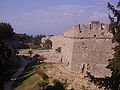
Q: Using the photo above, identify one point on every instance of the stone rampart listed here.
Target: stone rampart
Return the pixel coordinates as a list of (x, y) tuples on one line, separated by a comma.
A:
[(87, 48), (57, 41)]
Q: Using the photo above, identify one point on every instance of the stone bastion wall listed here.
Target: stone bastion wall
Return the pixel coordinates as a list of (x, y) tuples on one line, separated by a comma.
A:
[(87, 48)]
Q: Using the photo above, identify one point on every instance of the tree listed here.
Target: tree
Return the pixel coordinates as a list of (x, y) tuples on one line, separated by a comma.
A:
[(30, 52), (112, 82), (114, 63), (39, 58), (6, 35), (48, 44), (6, 31)]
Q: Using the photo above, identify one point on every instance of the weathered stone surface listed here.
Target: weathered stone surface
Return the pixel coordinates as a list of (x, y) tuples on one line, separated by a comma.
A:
[(86, 49)]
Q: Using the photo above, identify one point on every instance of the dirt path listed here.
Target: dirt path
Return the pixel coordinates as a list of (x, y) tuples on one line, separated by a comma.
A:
[(8, 85)]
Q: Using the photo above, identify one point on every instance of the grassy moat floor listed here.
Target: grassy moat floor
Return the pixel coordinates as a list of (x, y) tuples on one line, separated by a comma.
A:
[(51, 76)]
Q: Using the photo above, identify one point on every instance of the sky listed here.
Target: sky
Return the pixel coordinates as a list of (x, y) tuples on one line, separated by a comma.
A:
[(51, 17)]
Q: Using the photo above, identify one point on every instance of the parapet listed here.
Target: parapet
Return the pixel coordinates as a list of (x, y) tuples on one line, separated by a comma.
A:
[(92, 29), (94, 22), (72, 30)]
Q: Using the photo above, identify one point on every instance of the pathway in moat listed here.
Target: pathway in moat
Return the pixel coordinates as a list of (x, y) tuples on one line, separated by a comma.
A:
[(24, 63)]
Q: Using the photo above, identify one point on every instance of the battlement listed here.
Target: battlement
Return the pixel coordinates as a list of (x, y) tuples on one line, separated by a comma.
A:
[(85, 47), (92, 29), (92, 25)]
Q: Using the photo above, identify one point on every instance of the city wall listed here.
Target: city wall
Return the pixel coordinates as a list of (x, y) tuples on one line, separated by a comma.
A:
[(86, 48)]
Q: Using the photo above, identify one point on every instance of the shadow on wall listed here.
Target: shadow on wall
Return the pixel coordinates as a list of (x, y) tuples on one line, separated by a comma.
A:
[(47, 44)]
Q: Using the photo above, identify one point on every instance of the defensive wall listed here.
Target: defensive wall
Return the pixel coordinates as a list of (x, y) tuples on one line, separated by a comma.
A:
[(86, 47)]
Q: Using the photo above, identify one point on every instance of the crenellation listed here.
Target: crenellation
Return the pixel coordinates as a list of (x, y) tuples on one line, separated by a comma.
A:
[(92, 29), (87, 48)]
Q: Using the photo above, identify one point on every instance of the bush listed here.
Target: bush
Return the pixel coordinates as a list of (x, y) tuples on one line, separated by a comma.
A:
[(42, 74), (39, 58), (84, 88), (58, 85), (48, 44), (30, 52), (72, 89), (55, 81), (36, 55), (43, 83), (58, 49)]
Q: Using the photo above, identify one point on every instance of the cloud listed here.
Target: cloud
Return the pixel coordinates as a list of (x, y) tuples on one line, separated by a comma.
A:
[(103, 0), (73, 10), (99, 16), (55, 13), (67, 7), (54, 19)]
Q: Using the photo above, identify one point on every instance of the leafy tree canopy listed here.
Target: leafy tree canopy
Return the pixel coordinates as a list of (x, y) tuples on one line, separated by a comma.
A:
[(6, 35), (6, 31)]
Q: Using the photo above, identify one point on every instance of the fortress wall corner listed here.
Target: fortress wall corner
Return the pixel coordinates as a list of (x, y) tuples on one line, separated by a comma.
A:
[(87, 49), (67, 51), (91, 55)]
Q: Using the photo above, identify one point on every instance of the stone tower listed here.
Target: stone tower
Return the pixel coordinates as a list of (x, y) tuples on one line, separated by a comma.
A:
[(87, 48)]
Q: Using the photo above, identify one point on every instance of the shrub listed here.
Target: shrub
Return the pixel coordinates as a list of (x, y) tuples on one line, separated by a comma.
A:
[(58, 49), (58, 85), (42, 74), (72, 89), (48, 44), (55, 81), (43, 83), (39, 58), (36, 55), (84, 88), (30, 52)]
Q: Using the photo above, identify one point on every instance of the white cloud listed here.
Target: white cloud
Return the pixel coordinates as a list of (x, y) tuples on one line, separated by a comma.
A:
[(73, 10), (56, 18), (66, 7), (99, 16), (60, 11), (103, 0)]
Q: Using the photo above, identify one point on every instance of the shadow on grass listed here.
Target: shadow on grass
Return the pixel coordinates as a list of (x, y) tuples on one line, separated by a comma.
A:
[(29, 71), (57, 86), (10, 70), (19, 81)]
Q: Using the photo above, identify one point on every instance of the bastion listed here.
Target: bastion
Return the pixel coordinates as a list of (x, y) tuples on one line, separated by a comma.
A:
[(86, 47)]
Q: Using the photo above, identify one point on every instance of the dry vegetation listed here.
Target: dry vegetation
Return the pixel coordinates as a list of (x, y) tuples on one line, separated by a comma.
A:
[(37, 77)]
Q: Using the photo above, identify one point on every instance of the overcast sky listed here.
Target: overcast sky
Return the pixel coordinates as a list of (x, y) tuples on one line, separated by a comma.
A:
[(51, 16)]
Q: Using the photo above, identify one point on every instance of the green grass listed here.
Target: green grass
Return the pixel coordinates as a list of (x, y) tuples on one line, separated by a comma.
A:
[(22, 49), (41, 48), (27, 77), (34, 78), (28, 83)]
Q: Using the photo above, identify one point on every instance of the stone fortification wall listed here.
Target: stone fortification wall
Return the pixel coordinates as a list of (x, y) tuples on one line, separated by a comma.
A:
[(67, 51), (66, 45), (57, 41), (72, 31), (91, 55), (87, 48), (89, 30)]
